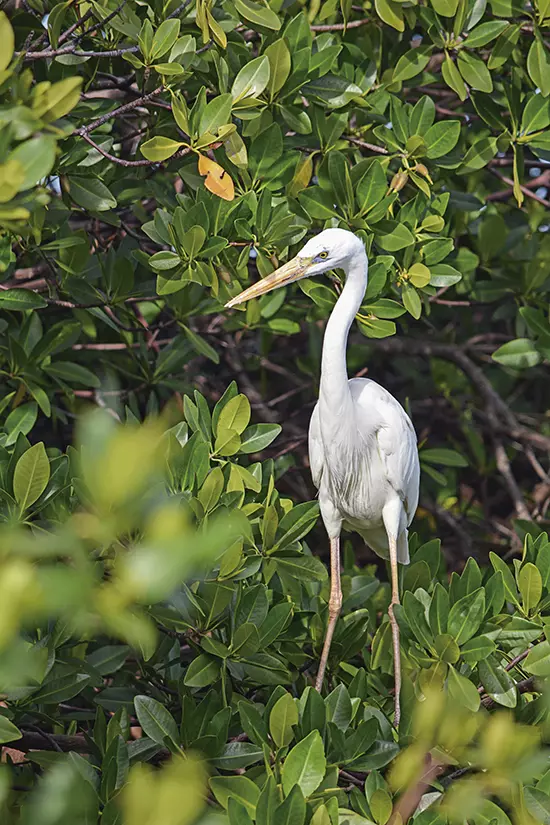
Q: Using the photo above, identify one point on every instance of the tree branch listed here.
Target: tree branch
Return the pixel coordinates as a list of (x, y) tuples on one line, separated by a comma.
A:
[(341, 27), (409, 801), (127, 107), (131, 163), (364, 145)]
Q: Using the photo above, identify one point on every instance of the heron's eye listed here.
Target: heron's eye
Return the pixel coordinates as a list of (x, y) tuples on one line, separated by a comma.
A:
[(323, 255)]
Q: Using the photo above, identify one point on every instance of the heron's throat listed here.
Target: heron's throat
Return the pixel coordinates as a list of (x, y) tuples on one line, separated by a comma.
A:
[(334, 390)]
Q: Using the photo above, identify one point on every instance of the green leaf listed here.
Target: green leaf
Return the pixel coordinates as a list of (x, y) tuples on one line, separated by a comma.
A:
[(164, 38), (443, 456), (416, 619), (8, 731), (157, 722), (31, 476), (391, 13), (518, 354), (447, 8), (411, 300), (72, 373), (37, 157), (20, 420), (62, 689), (211, 490), (485, 32), (318, 203), (202, 671), (453, 78), (478, 155), (442, 137), (380, 804), (282, 718), (91, 193), (530, 586), (395, 236), (333, 90), (21, 299), (239, 788), (536, 114), (538, 804), (412, 63), (297, 523), (462, 691), (305, 765), (259, 15), (266, 150), (200, 345), (253, 724), (538, 65), (465, 616), (498, 683), (258, 437), (109, 658), (235, 415), (237, 755), (372, 187), (252, 79), (278, 55), (478, 648), (162, 261), (475, 72), (444, 275), (55, 22), (538, 660), (446, 648), (159, 148), (216, 113), (53, 102)]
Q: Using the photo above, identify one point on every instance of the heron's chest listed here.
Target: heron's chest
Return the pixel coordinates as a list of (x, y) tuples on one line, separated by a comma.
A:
[(354, 477)]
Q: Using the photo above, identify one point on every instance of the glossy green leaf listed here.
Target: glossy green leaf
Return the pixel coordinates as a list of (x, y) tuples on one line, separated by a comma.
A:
[(305, 765)]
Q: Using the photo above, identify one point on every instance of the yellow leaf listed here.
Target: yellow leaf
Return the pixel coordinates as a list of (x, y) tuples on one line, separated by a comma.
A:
[(419, 275), (217, 180), (218, 34), (7, 41), (302, 176)]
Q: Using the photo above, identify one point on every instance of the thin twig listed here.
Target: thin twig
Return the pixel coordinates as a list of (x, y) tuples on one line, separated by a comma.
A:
[(123, 162), (364, 145), (541, 180), (504, 468), (127, 107), (341, 27), (409, 801)]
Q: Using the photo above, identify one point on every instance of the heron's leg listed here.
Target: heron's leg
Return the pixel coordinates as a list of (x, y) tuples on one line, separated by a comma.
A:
[(392, 516), (392, 540), (334, 607)]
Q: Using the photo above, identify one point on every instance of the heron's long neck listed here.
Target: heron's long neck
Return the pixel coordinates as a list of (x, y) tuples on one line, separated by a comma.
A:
[(334, 390)]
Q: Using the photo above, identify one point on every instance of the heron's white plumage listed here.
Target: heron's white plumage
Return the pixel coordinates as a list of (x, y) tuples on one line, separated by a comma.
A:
[(368, 459)]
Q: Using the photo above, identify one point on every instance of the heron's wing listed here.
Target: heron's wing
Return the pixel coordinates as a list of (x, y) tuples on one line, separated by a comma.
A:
[(315, 448), (396, 442)]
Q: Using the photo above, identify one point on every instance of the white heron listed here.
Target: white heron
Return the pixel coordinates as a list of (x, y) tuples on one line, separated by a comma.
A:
[(362, 445)]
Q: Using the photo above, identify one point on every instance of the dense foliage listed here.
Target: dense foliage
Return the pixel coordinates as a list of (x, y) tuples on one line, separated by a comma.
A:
[(163, 600)]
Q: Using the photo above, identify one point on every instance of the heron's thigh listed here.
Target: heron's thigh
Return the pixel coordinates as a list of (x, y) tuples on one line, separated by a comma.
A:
[(331, 517), (393, 517)]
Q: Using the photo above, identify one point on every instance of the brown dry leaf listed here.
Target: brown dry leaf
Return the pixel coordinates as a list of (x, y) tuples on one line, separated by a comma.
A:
[(16, 756), (217, 180)]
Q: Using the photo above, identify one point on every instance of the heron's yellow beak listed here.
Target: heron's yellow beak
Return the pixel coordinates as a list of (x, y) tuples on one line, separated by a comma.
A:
[(286, 274)]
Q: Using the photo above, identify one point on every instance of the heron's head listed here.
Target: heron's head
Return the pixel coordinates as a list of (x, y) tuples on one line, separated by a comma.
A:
[(330, 249)]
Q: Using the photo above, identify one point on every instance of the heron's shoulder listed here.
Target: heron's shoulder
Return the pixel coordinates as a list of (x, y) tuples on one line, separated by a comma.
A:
[(365, 390)]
